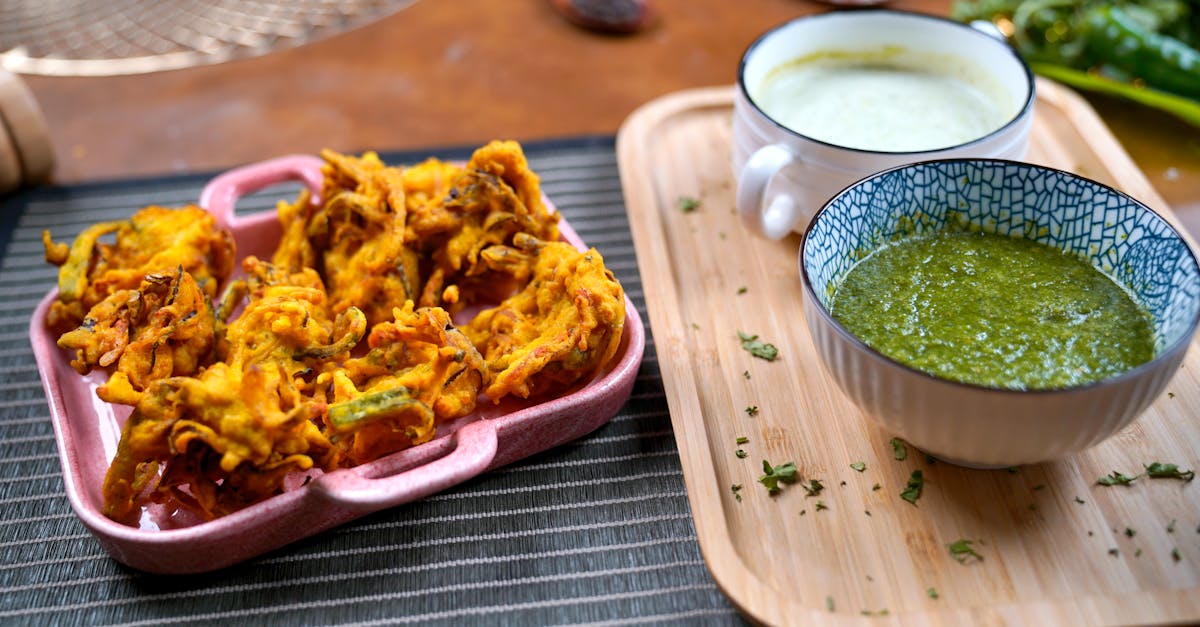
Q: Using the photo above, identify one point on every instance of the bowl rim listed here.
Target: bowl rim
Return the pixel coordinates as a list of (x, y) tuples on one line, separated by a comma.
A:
[(1023, 112), (1132, 373)]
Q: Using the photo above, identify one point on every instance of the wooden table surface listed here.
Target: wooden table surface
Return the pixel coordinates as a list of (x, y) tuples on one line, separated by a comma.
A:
[(461, 73)]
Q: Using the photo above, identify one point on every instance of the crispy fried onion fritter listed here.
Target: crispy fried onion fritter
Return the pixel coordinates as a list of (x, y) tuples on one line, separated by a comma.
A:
[(276, 379), (563, 327), (164, 328), (155, 240)]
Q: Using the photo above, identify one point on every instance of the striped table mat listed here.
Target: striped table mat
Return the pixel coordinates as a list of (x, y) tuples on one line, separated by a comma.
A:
[(595, 532)]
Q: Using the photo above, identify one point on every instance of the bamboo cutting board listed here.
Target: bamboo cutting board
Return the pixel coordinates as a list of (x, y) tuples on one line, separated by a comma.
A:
[(1055, 547)]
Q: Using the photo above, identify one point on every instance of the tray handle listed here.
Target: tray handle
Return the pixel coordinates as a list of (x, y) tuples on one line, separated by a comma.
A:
[(221, 194), (474, 448)]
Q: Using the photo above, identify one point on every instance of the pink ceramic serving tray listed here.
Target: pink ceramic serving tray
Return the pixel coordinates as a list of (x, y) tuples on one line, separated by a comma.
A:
[(87, 429)]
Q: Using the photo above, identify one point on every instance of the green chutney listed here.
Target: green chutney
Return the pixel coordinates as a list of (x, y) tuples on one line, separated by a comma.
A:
[(993, 310)]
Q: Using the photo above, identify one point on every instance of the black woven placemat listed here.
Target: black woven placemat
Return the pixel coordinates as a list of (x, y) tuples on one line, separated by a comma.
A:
[(596, 532)]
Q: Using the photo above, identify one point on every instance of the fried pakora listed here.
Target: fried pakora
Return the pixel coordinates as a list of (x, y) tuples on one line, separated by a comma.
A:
[(495, 198), (230, 435), (420, 371), (563, 327), (164, 328), (232, 399), (155, 240), (355, 238)]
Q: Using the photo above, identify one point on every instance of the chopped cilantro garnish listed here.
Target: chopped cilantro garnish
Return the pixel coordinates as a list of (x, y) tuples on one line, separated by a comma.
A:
[(932, 592), (1158, 470), (1175, 554), (899, 450), (962, 552), (742, 439), (876, 487), (859, 466), (758, 348), (912, 491), (882, 612), (1129, 533), (1115, 478), (752, 410), (829, 603), (688, 204), (1171, 526), (746, 373), (1079, 500), (741, 454), (1114, 552), (742, 290), (820, 506), (813, 487), (737, 491), (772, 475)]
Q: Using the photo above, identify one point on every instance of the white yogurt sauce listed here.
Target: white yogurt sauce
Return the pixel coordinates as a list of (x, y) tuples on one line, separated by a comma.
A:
[(878, 106)]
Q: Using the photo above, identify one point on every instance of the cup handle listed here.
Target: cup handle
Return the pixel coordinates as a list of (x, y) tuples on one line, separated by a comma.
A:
[(777, 218)]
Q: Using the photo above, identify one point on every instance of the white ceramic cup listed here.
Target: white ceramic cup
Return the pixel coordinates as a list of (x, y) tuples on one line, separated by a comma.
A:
[(783, 175)]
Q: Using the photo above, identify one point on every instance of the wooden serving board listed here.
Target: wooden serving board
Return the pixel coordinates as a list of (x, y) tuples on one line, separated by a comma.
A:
[(1056, 547)]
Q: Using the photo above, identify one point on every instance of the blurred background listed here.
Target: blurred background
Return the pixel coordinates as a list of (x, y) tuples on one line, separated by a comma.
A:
[(130, 88)]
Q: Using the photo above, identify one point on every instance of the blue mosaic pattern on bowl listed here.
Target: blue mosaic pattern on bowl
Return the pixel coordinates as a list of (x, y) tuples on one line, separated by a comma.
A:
[(1132, 244)]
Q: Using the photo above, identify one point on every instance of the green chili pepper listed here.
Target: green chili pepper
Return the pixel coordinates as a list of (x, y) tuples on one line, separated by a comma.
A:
[(1118, 40), (1147, 52), (375, 406), (72, 276)]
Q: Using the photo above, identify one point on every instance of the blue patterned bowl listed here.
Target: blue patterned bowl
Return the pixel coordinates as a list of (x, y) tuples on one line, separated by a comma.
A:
[(976, 425)]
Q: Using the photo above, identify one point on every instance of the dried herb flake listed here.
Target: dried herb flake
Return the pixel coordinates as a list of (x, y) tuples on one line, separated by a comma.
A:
[(758, 348), (912, 491), (962, 552), (772, 475), (1115, 478), (1159, 470)]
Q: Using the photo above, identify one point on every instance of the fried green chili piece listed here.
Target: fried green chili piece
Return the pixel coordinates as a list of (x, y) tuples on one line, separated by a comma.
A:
[(376, 406)]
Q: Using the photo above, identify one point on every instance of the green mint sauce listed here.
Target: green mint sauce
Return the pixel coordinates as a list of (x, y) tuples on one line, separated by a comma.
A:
[(993, 310)]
